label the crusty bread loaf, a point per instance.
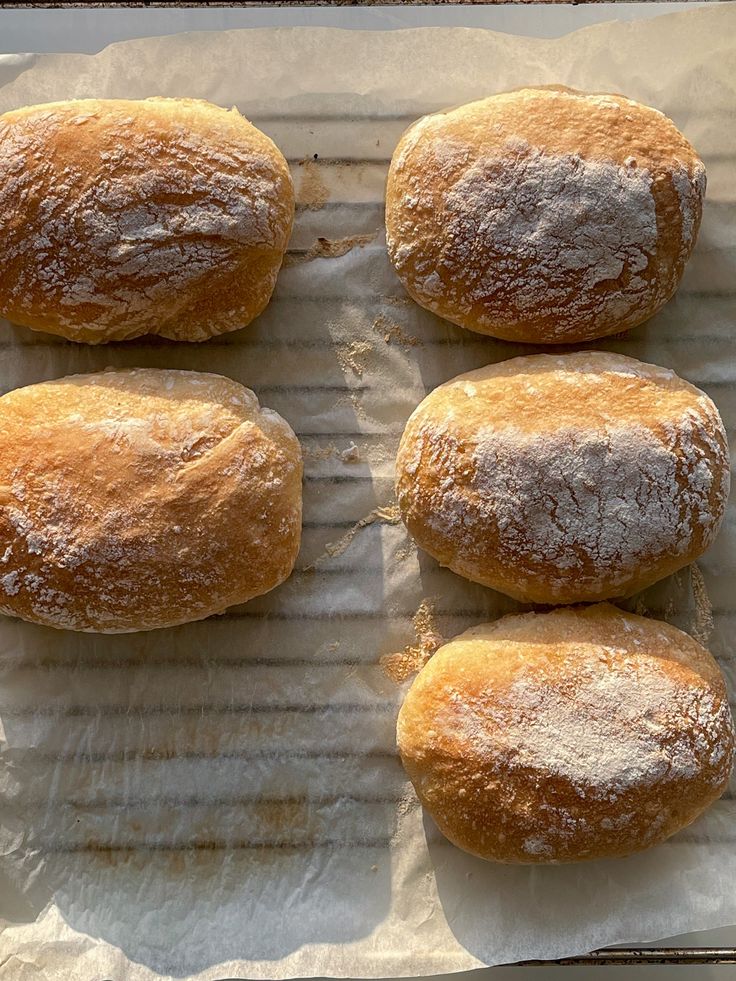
(564, 478)
(544, 215)
(576, 734)
(121, 218)
(142, 498)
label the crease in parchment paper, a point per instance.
(224, 799)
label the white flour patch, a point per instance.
(594, 506)
(523, 235)
(619, 723)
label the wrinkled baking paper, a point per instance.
(224, 799)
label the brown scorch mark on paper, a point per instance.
(702, 626)
(403, 664)
(312, 193)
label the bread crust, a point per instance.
(543, 215)
(121, 218)
(564, 478)
(565, 736)
(142, 498)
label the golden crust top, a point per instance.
(564, 478)
(121, 218)
(570, 735)
(142, 498)
(543, 215)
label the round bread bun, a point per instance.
(564, 478)
(576, 734)
(142, 498)
(544, 215)
(122, 218)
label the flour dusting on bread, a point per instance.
(142, 498)
(543, 215)
(122, 218)
(575, 734)
(564, 478)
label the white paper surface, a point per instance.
(224, 799)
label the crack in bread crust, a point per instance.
(563, 479)
(121, 218)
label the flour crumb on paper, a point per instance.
(391, 331)
(353, 400)
(320, 452)
(702, 626)
(330, 248)
(403, 664)
(350, 454)
(406, 551)
(389, 514)
(351, 356)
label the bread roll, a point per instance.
(121, 218)
(576, 734)
(142, 498)
(544, 215)
(564, 478)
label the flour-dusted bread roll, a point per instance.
(544, 215)
(564, 478)
(120, 218)
(576, 734)
(142, 498)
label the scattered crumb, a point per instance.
(703, 621)
(333, 646)
(388, 514)
(312, 193)
(374, 868)
(326, 248)
(403, 664)
(391, 331)
(334, 248)
(353, 398)
(406, 551)
(320, 452)
(350, 454)
(406, 803)
(350, 356)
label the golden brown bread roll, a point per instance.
(544, 215)
(564, 478)
(142, 498)
(121, 218)
(576, 734)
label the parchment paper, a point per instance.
(224, 799)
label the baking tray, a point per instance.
(341, 196)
